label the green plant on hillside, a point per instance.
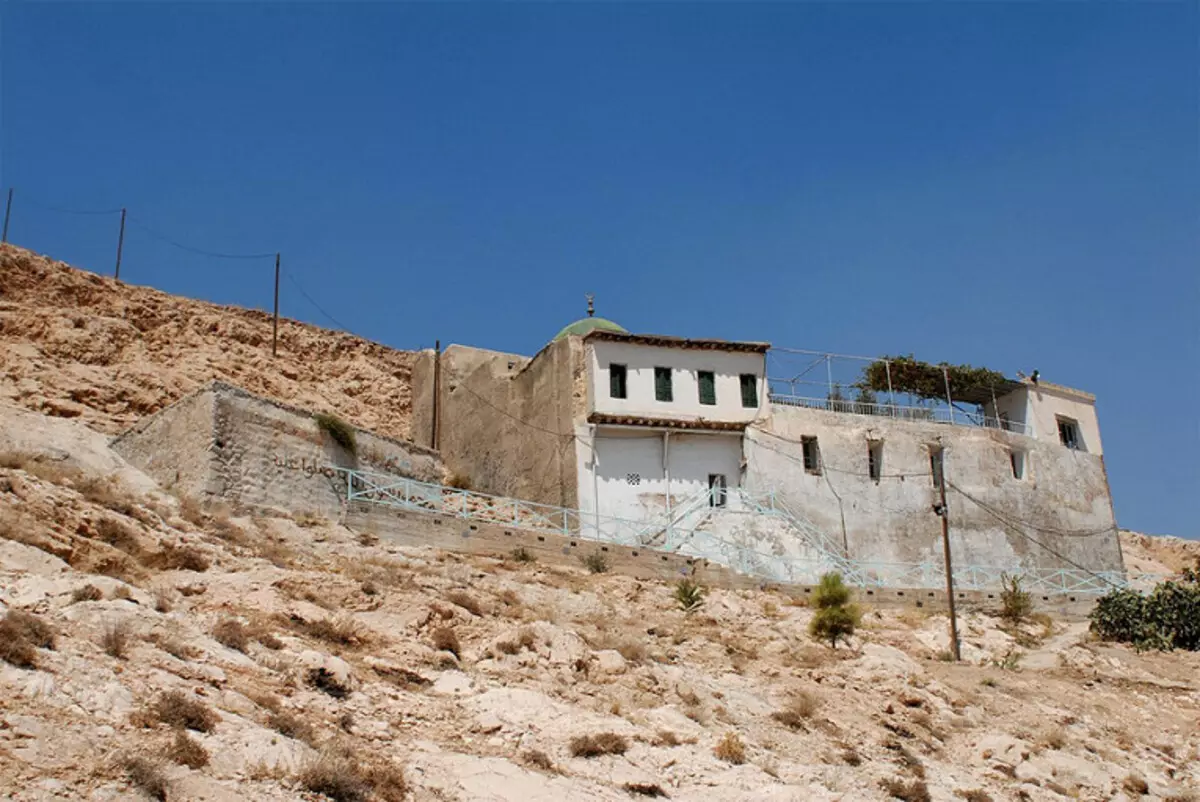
(690, 594)
(1015, 603)
(836, 616)
(905, 374)
(1169, 618)
(341, 432)
(595, 562)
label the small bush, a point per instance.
(369, 588)
(731, 749)
(179, 558)
(1169, 618)
(338, 430)
(323, 680)
(292, 726)
(191, 511)
(15, 649)
(595, 562)
(605, 743)
(268, 640)
(115, 639)
(118, 535)
(340, 630)
(176, 709)
(459, 481)
(797, 714)
(645, 789)
(87, 593)
(21, 635)
(522, 555)
(689, 595)
(851, 757)
(912, 791)
(466, 601)
(973, 795)
(446, 639)
(232, 633)
(836, 617)
(176, 648)
(666, 738)
(1015, 603)
(1133, 784)
(187, 751)
(32, 628)
(146, 775)
(335, 776)
(508, 647)
(537, 759)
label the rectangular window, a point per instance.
(1068, 433)
(662, 385)
(875, 459)
(616, 381)
(812, 454)
(935, 465)
(716, 490)
(1017, 458)
(708, 387)
(749, 391)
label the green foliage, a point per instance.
(689, 594)
(1169, 618)
(866, 401)
(1015, 603)
(341, 432)
(595, 562)
(836, 615)
(909, 375)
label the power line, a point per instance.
(463, 385)
(1048, 530)
(200, 251)
(825, 465)
(24, 196)
(317, 306)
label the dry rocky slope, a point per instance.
(78, 345)
(211, 655)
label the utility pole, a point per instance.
(7, 213)
(120, 245)
(275, 324)
(944, 513)
(437, 391)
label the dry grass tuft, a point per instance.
(187, 751)
(324, 681)
(595, 562)
(87, 593)
(115, 639)
(522, 555)
(338, 775)
(973, 795)
(605, 743)
(231, 633)
(731, 749)
(645, 789)
(666, 738)
(912, 791)
(466, 601)
(340, 630)
(446, 639)
(796, 715)
(291, 725)
(176, 709)
(21, 635)
(538, 759)
(118, 535)
(1053, 739)
(146, 775)
(179, 558)
(1136, 785)
(175, 647)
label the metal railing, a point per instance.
(940, 414)
(688, 531)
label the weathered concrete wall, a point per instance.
(175, 445)
(224, 442)
(891, 520)
(506, 422)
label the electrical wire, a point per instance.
(190, 249)
(317, 306)
(25, 197)
(826, 466)
(1017, 521)
(463, 385)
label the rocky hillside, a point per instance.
(153, 649)
(77, 345)
(1156, 554)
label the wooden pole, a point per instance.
(275, 324)
(7, 214)
(437, 392)
(120, 245)
(945, 516)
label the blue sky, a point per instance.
(1015, 185)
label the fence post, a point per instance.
(7, 214)
(949, 399)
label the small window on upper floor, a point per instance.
(812, 454)
(708, 387)
(936, 459)
(616, 381)
(1017, 458)
(875, 459)
(749, 390)
(663, 391)
(1068, 434)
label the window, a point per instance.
(935, 465)
(616, 381)
(708, 387)
(662, 385)
(749, 390)
(1017, 458)
(1068, 433)
(812, 454)
(875, 459)
(716, 490)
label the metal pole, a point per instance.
(437, 392)
(829, 376)
(120, 245)
(887, 366)
(275, 324)
(949, 400)
(945, 516)
(7, 214)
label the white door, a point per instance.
(629, 476)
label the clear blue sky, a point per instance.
(1015, 185)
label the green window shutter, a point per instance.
(662, 385)
(708, 387)
(616, 381)
(749, 390)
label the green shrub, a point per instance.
(341, 432)
(689, 594)
(595, 562)
(1015, 603)
(836, 615)
(1169, 618)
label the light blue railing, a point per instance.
(688, 531)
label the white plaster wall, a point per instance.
(694, 456)
(891, 520)
(1047, 403)
(641, 360)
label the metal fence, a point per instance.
(927, 414)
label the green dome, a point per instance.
(584, 325)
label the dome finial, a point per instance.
(591, 299)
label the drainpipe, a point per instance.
(667, 467)
(595, 481)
